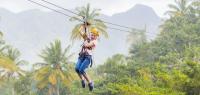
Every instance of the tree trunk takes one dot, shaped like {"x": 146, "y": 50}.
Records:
{"x": 13, "y": 91}
{"x": 58, "y": 86}
{"x": 57, "y": 90}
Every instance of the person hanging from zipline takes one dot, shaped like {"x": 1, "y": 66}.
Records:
{"x": 85, "y": 57}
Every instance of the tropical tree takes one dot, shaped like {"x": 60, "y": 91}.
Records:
{"x": 24, "y": 85}
{"x": 10, "y": 67}
{"x": 55, "y": 71}
{"x": 179, "y": 8}
{"x": 90, "y": 17}
{"x": 194, "y": 11}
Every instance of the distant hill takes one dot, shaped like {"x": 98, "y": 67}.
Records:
{"x": 30, "y": 31}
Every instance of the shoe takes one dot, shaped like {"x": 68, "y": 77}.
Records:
{"x": 91, "y": 86}
{"x": 83, "y": 83}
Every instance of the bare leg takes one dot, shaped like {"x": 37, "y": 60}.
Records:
{"x": 81, "y": 76}
{"x": 87, "y": 78}
{"x": 90, "y": 83}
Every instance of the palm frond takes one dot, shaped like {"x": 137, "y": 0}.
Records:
{"x": 1, "y": 35}
{"x": 8, "y": 64}
{"x": 39, "y": 65}
{"x": 91, "y": 18}
{"x": 100, "y": 23}
{"x": 75, "y": 19}
{"x": 75, "y": 34}
{"x": 95, "y": 13}
{"x": 21, "y": 63}
{"x": 13, "y": 53}
{"x": 173, "y": 7}
{"x": 87, "y": 11}
{"x": 180, "y": 7}
{"x": 102, "y": 31}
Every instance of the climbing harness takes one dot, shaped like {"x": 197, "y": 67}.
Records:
{"x": 84, "y": 52}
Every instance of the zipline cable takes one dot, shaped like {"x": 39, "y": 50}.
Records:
{"x": 65, "y": 14}
{"x": 101, "y": 20}
{"x": 49, "y": 8}
{"x": 61, "y": 7}
{"x": 76, "y": 14}
{"x": 54, "y": 10}
{"x": 83, "y": 16}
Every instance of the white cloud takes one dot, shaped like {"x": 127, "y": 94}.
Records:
{"x": 108, "y": 7}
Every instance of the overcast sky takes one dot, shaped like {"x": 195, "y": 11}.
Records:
{"x": 109, "y": 7}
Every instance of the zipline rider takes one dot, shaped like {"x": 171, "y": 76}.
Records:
{"x": 85, "y": 57}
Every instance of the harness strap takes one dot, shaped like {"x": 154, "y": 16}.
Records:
{"x": 91, "y": 62}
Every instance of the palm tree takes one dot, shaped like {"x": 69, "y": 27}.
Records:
{"x": 90, "y": 16}
{"x": 179, "y": 12}
{"x": 179, "y": 8}
{"x": 195, "y": 9}
{"x": 9, "y": 66}
{"x": 55, "y": 71}
{"x": 10, "y": 62}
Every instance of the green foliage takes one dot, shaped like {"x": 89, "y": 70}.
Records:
{"x": 168, "y": 65}
{"x": 23, "y": 86}
{"x": 90, "y": 16}
{"x": 55, "y": 73}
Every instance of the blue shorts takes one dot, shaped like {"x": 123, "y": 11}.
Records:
{"x": 83, "y": 63}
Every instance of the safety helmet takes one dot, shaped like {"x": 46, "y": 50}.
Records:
{"x": 94, "y": 31}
